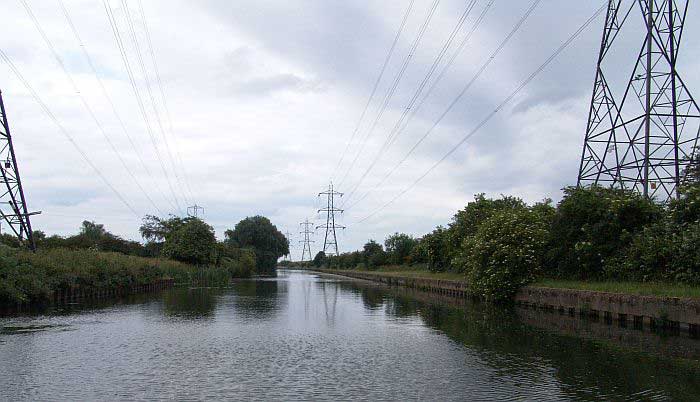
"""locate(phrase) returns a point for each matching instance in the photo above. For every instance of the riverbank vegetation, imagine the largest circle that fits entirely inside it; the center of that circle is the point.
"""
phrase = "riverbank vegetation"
(183, 249)
(593, 235)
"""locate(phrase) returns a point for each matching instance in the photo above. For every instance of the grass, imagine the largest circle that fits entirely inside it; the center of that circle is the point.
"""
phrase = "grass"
(632, 288)
(413, 271)
(33, 277)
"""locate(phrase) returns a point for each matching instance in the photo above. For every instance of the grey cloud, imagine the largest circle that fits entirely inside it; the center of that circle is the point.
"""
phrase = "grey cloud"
(265, 86)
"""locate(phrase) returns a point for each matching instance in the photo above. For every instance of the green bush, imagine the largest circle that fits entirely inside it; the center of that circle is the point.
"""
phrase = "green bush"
(504, 253)
(399, 247)
(320, 259)
(193, 243)
(663, 252)
(27, 276)
(592, 225)
(373, 255)
(438, 249)
(466, 223)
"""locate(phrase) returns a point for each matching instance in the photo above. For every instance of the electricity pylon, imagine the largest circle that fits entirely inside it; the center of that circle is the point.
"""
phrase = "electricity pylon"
(643, 128)
(307, 241)
(330, 239)
(13, 205)
(195, 211)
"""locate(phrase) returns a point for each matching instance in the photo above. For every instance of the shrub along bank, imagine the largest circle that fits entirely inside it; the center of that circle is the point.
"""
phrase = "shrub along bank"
(594, 234)
(33, 277)
(184, 249)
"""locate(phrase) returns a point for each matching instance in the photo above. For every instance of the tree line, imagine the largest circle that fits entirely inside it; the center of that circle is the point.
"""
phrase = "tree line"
(593, 233)
(252, 246)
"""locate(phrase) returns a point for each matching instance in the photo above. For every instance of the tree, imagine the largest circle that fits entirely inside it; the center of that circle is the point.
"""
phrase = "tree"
(373, 254)
(155, 229)
(262, 236)
(320, 259)
(193, 242)
(437, 249)
(398, 247)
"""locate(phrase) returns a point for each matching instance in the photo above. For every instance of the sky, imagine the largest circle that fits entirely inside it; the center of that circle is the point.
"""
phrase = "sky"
(251, 104)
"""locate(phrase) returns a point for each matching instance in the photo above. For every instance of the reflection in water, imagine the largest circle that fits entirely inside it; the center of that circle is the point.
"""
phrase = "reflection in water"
(191, 302)
(586, 370)
(302, 336)
(258, 298)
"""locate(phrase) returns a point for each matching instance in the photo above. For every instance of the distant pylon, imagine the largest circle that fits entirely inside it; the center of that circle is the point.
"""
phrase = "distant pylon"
(195, 211)
(330, 239)
(643, 127)
(13, 206)
(307, 241)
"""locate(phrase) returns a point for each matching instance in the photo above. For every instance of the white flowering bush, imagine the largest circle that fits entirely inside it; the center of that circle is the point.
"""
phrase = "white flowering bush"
(505, 253)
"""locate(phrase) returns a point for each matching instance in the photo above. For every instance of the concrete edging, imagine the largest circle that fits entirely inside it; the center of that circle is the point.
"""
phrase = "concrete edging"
(652, 311)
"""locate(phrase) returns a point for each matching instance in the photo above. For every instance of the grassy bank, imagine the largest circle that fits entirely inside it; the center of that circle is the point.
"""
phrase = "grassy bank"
(633, 288)
(659, 289)
(34, 277)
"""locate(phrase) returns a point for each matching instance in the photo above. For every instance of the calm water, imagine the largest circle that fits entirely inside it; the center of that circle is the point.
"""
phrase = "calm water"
(301, 337)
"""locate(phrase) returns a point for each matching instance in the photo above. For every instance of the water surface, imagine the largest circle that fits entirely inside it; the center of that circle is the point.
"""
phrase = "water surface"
(302, 336)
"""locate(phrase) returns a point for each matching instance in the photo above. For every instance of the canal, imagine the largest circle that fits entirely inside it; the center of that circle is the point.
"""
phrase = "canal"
(302, 336)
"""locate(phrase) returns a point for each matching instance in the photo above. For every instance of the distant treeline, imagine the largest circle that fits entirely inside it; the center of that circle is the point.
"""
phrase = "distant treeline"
(181, 248)
(591, 234)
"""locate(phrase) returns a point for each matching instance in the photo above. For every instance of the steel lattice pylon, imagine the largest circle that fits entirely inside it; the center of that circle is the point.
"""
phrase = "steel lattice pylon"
(330, 240)
(643, 136)
(13, 206)
(306, 243)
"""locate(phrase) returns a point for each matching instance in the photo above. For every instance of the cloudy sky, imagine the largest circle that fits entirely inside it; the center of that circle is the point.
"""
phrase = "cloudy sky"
(262, 97)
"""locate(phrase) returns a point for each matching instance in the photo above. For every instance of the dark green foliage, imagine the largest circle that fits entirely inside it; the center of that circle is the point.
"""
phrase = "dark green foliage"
(192, 242)
(92, 236)
(663, 252)
(240, 263)
(419, 253)
(438, 249)
(27, 276)
(320, 259)
(399, 247)
(9, 240)
(504, 253)
(349, 260)
(593, 233)
(373, 255)
(592, 225)
(259, 234)
(686, 209)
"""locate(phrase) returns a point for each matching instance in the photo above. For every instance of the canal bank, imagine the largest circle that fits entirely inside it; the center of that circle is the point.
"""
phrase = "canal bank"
(680, 315)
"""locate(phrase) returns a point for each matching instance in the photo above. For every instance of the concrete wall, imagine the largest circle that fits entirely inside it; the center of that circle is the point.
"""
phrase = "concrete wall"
(669, 312)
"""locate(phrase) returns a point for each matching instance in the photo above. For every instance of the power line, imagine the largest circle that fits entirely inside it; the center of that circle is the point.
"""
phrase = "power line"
(459, 96)
(137, 95)
(99, 125)
(65, 132)
(104, 92)
(438, 59)
(144, 71)
(393, 87)
(165, 102)
(488, 117)
(376, 85)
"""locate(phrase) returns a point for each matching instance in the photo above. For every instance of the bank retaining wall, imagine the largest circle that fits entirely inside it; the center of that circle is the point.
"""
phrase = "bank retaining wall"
(674, 313)
(77, 293)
